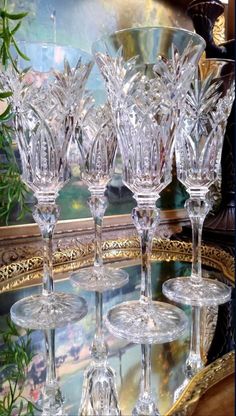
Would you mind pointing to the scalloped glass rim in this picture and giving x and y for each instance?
(102, 41)
(219, 61)
(43, 62)
(63, 45)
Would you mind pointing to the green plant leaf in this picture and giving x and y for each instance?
(5, 94)
(15, 16)
(25, 57)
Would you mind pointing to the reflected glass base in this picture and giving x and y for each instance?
(52, 401)
(99, 396)
(100, 279)
(206, 292)
(47, 312)
(145, 406)
(141, 323)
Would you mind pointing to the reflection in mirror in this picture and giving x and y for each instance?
(99, 395)
(167, 360)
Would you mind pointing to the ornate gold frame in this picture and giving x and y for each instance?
(203, 381)
(20, 242)
(29, 271)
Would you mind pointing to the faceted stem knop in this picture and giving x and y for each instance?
(198, 207)
(46, 217)
(98, 204)
(145, 221)
(99, 349)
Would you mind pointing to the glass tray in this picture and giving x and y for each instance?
(170, 258)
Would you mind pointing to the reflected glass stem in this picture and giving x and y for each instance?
(145, 404)
(46, 216)
(98, 204)
(52, 404)
(145, 220)
(99, 349)
(50, 356)
(146, 389)
(198, 207)
(194, 361)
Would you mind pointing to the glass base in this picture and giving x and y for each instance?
(100, 279)
(52, 402)
(145, 406)
(141, 323)
(194, 364)
(99, 396)
(48, 312)
(206, 292)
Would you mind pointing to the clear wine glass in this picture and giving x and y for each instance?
(97, 145)
(44, 103)
(198, 148)
(145, 112)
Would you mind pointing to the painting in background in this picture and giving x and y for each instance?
(78, 23)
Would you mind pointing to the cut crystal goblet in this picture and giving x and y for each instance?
(147, 71)
(44, 105)
(97, 144)
(198, 148)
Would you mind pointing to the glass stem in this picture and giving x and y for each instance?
(99, 349)
(50, 356)
(145, 221)
(145, 404)
(194, 361)
(46, 216)
(98, 204)
(146, 389)
(197, 207)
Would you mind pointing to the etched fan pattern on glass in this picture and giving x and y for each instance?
(144, 106)
(44, 120)
(97, 144)
(200, 136)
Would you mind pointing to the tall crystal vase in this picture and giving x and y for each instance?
(147, 72)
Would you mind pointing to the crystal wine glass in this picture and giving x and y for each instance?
(44, 104)
(198, 148)
(144, 123)
(97, 144)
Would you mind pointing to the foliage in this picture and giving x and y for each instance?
(12, 189)
(15, 357)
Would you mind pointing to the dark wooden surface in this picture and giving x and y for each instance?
(219, 400)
